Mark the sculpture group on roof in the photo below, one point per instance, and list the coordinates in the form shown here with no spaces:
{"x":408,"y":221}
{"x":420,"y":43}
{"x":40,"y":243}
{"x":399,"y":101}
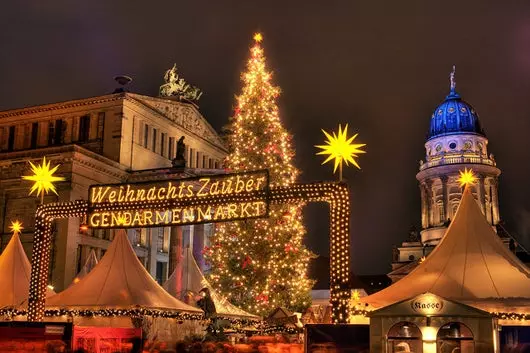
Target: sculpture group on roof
{"x":177,"y":86}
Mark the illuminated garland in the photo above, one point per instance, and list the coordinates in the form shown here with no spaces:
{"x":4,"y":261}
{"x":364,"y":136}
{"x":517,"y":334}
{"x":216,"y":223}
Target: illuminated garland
{"x":336,"y":194}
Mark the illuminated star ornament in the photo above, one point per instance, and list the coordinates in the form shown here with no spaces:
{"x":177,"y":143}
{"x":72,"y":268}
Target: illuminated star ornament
{"x":43,"y":178}
{"x":340,"y":148}
{"x":467,"y":177}
{"x":258,"y":37}
{"x":16,"y":227}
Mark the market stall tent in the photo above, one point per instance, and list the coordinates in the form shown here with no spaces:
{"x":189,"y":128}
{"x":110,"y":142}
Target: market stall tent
{"x":187,"y":280}
{"x":15,"y":270}
{"x":470,"y":265}
{"x":119,"y":281}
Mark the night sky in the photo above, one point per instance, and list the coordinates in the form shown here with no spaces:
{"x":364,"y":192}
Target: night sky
{"x":381,"y":66}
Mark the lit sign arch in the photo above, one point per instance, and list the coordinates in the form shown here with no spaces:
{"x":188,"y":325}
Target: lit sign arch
{"x":207,"y":199}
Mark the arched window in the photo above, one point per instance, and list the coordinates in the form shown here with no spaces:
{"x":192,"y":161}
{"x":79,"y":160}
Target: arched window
{"x":455,"y":337}
{"x":404,"y":337}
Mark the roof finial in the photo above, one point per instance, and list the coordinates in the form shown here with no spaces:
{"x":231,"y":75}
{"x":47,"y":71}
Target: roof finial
{"x":452,"y":79}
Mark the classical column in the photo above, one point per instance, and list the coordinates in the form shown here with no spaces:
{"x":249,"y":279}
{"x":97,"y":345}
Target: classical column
{"x":3,"y":202}
{"x":175,"y":248}
{"x":429,"y":201}
{"x":424,"y":207}
{"x":495,"y":200}
{"x":482,"y":193}
{"x":198,"y":244}
{"x":445,"y":196}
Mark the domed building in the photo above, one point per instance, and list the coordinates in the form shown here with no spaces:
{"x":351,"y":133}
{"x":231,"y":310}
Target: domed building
{"x":455,"y":141}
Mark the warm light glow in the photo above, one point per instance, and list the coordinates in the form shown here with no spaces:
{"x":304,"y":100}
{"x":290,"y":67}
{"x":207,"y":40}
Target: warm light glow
{"x":467,"y":177}
{"x":50,"y":287}
{"x":16,"y":227}
{"x":43,"y":178}
{"x":340,"y":148}
{"x":422,"y":259}
{"x":258,"y":37}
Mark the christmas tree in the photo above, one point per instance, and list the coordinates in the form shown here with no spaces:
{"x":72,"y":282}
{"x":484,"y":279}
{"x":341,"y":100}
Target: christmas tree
{"x":261,"y":264}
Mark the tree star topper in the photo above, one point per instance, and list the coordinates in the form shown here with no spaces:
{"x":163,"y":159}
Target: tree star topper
{"x":340,"y":148}
{"x":258,"y":37}
{"x":43,"y":178}
{"x":16,"y":227}
{"x":467,"y":177}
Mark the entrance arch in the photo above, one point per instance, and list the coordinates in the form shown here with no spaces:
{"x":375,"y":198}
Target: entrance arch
{"x":110,"y":207}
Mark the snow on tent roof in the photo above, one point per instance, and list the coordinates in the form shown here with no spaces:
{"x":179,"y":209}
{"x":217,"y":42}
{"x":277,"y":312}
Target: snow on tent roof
{"x":15,"y":272}
{"x":470,"y":264}
{"x":118,"y":281}
{"x":188,"y":278}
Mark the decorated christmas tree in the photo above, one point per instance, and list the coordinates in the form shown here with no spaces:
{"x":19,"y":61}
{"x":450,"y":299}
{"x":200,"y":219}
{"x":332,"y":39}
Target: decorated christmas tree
{"x":261,"y":264}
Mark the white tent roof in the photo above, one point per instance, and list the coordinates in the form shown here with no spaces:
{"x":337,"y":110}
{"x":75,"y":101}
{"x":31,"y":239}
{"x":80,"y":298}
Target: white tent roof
{"x":15,"y":272}
{"x":90,"y":263}
{"x":187,"y":278}
{"x":470,"y":264}
{"x":118,"y":281}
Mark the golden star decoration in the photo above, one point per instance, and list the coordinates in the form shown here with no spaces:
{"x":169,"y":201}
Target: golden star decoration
{"x":43,"y":178}
{"x":258,"y":37}
{"x":16,"y":227}
{"x":340,"y":148}
{"x":467,"y":177}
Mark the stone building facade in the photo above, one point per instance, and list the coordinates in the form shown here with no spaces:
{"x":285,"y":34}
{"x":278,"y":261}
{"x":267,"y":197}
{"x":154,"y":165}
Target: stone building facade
{"x":107,"y":139}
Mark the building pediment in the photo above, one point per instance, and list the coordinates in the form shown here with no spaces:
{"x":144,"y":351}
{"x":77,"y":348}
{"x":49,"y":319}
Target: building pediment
{"x":183,"y":114}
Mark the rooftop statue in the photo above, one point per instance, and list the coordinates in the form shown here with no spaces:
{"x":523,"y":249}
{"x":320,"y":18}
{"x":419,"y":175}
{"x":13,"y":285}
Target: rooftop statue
{"x":177,"y":86}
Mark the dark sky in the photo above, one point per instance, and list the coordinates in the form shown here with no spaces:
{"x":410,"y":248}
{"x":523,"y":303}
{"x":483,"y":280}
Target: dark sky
{"x":381,"y":66}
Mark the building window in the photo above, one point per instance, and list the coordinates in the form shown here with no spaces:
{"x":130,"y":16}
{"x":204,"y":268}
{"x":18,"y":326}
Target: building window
{"x":161,"y":272}
{"x":191,"y":158}
{"x":215,"y":165}
{"x":34,"y":135}
{"x":197,"y":160}
{"x":11,"y":138}
{"x":160,"y":239}
{"x":55,"y":132}
{"x":155,"y":132}
{"x":204,"y":165}
{"x":84,"y":128}
{"x":163,"y":137}
{"x":171,"y":152}
{"x":146,"y":135}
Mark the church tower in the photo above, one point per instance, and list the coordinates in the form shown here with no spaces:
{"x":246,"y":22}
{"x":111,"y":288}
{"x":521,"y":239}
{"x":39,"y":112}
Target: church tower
{"x":455,"y":141}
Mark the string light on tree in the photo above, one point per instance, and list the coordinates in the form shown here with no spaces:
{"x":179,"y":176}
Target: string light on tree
{"x":261,"y":264}
{"x":467,"y":177}
{"x":339,"y":148}
{"x":43,"y":178}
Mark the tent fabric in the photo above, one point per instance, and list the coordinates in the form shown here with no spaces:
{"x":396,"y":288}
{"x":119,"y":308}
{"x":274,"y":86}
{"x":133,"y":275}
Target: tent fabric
{"x":15,"y":270}
{"x":187,"y":280}
{"x":470,"y":265}
{"x":118,"y":281}
{"x":90,"y":263}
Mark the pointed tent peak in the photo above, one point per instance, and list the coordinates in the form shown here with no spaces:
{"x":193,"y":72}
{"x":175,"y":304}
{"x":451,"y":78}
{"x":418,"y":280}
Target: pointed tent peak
{"x":15,"y":270}
{"x":90,"y":263}
{"x":118,"y":281}
{"x":470,"y":264}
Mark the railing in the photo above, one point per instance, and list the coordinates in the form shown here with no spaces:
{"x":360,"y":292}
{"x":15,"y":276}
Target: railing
{"x":457,"y":160}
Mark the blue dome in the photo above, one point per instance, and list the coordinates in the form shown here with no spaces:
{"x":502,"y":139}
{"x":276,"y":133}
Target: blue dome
{"x":454,"y":116}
